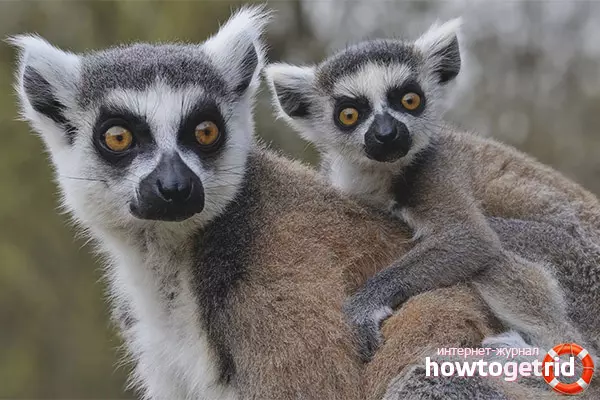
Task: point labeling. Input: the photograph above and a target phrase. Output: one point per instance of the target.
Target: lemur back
(374, 110)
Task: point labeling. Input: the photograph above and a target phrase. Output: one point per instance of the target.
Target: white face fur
(373, 105)
(130, 129)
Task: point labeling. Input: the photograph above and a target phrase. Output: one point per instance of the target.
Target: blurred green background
(531, 79)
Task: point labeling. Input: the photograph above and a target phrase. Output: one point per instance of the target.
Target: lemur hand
(366, 320)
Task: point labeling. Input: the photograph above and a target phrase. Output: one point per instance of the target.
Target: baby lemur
(374, 111)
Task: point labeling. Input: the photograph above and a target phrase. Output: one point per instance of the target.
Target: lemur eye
(411, 101)
(207, 133)
(118, 139)
(348, 116)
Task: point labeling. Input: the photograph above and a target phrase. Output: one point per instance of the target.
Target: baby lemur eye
(348, 116)
(407, 98)
(411, 101)
(207, 133)
(118, 139)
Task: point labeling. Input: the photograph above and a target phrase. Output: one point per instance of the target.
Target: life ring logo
(575, 350)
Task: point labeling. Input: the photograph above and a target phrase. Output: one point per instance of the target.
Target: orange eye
(411, 101)
(207, 133)
(348, 116)
(118, 139)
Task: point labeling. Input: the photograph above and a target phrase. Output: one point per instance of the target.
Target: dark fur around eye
(205, 110)
(395, 94)
(360, 103)
(137, 125)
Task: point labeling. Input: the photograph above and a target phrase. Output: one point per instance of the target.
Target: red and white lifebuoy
(588, 368)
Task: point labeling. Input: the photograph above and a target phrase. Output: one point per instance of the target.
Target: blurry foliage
(534, 82)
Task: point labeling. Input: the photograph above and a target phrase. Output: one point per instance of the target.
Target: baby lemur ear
(440, 47)
(292, 89)
(46, 83)
(237, 48)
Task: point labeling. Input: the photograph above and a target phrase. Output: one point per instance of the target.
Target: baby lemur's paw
(366, 321)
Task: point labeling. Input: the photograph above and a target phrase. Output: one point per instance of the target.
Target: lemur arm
(440, 260)
(453, 243)
(444, 259)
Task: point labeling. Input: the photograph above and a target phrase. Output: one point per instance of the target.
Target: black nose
(172, 192)
(387, 139)
(387, 129)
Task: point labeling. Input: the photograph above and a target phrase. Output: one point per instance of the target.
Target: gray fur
(443, 193)
(139, 66)
(355, 57)
(459, 245)
(573, 261)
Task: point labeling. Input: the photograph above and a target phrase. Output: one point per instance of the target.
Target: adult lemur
(374, 110)
(227, 264)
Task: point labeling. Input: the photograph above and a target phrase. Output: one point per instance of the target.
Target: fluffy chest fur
(393, 187)
(370, 185)
(161, 323)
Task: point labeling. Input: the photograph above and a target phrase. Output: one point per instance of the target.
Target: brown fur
(511, 184)
(454, 317)
(313, 248)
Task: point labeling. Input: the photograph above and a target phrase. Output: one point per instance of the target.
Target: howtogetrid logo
(552, 369)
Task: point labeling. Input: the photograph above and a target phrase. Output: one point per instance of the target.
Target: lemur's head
(146, 132)
(378, 101)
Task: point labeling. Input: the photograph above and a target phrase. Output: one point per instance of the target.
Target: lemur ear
(46, 82)
(292, 89)
(440, 47)
(238, 49)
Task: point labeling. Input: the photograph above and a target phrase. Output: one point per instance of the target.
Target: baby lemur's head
(375, 102)
(144, 133)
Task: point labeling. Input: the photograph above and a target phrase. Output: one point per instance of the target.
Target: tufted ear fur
(46, 83)
(292, 88)
(238, 50)
(440, 47)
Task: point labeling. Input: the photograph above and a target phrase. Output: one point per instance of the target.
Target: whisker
(77, 178)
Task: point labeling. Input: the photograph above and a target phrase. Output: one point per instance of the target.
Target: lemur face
(376, 102)
(146, 132)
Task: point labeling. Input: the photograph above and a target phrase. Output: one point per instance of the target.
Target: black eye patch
(361, 104)
(205, 110)
(138, 126)
(395, 95)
